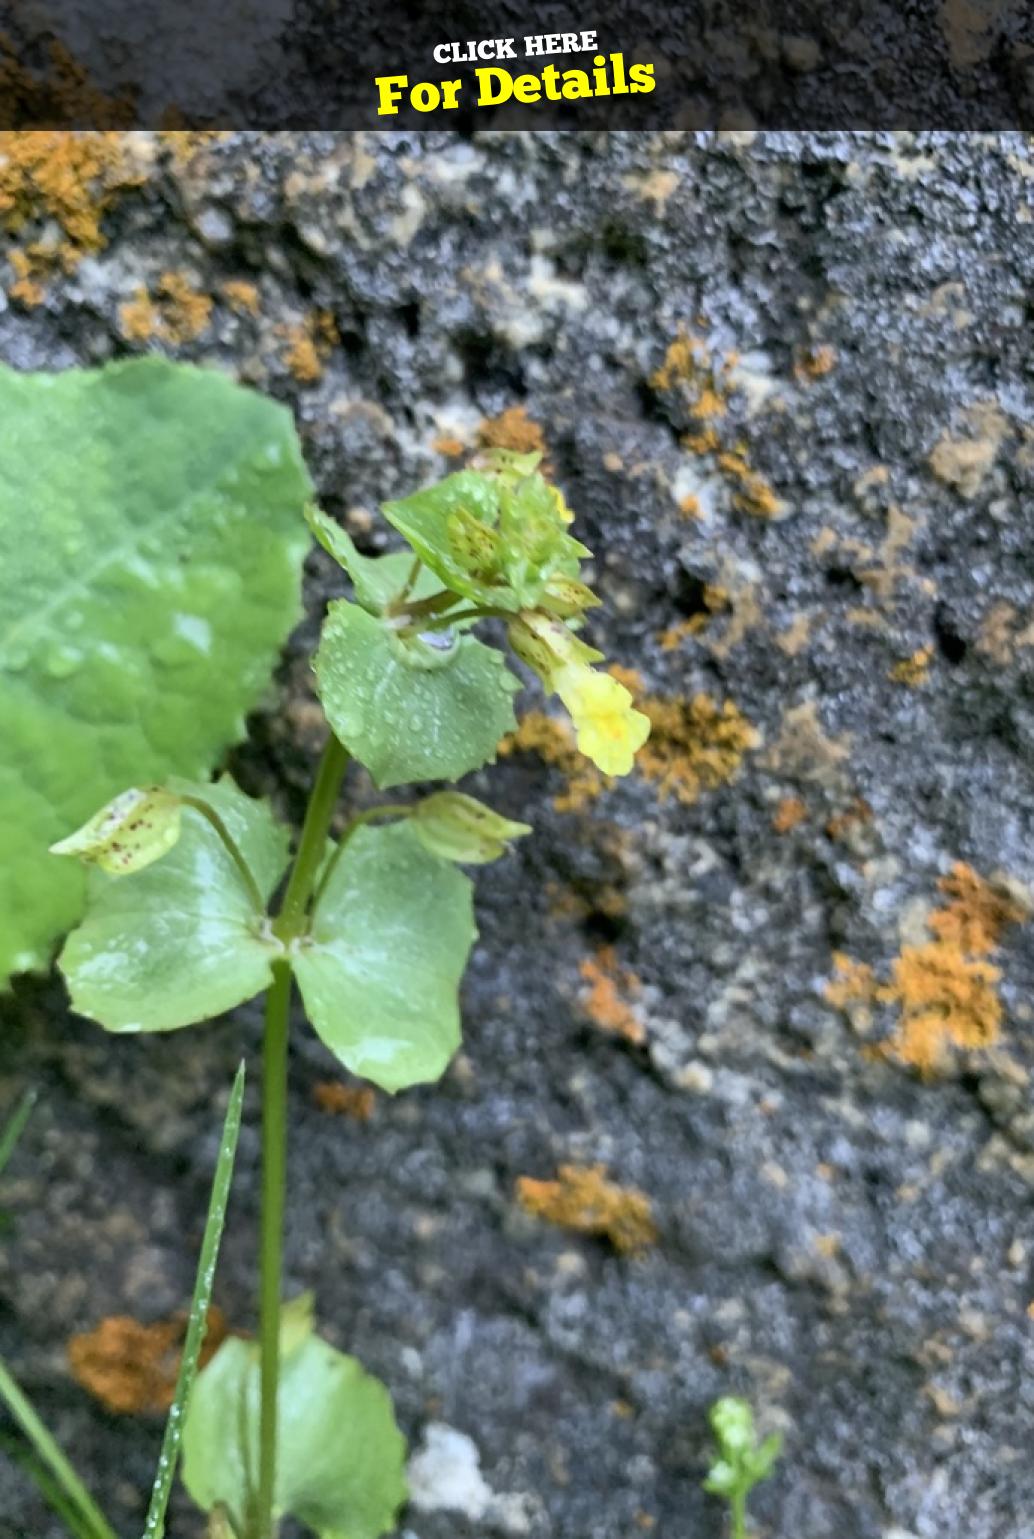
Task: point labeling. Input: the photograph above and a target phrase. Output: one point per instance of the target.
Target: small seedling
(742, 1462)
(185, 920)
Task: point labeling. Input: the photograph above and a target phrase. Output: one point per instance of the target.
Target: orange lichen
(977, 913)
(912, 670)
(60, 182)
(676, 634)
(309, 345)
(943, 992)
(690, 507)
(815, 362)
(512, 429)
(840, 825)
(241, 296)
(853, 983)
(553, 741)
(338, 1100)
(583, 1200)
(177, 313)
(689, 368)
(449, 445)
(694, 744)
(789, 814)
(131, 1368)
(753, 494)
(607, 997)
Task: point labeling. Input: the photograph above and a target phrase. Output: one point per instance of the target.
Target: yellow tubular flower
(608, 727)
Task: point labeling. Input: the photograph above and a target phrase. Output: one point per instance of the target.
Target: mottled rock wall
(786, 383)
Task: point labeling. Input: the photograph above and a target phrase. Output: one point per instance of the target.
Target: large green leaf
(184, 939)
(340, 1453)
(406, 712)
(151, 542)
(380, 972)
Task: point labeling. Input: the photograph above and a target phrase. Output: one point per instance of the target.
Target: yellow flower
(608, 727)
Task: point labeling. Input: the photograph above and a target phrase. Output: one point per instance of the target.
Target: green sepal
(423, 520)
(458, 827)
(406, 711)
(380, 970)
(376, 579)
(340, 1454)
(183, 940)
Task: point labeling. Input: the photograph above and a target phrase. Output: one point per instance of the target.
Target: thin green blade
(155, 1526)
(14, 1127)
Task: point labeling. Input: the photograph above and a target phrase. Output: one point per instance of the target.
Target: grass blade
(14, 1127)
(51, 1457)
(48, 1488)
(155, 1527)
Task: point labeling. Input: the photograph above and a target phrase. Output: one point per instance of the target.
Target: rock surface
(815, 506)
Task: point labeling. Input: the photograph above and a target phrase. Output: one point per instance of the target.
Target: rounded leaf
(340, 1454)
(410, 714)
(380, 972)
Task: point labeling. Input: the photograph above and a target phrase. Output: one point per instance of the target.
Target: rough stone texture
(848, 1244)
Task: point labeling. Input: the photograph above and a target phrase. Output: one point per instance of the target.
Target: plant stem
(738, 1503)
(371, 815)
(274, 1181)
(50, 1454)
(289, 923)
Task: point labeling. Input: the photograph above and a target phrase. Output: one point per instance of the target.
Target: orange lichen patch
(753, 494)
(694, 745)
(703, 384)
(448, 445)
(944, 998)
(675, 635)
(183, 145)
(790, 814)
(840, 825)
(1003, 632)
(512, 429)
(853, 983)
(26, 264)
(131, 1368)
(309, 345)
(583, 1200)
(944, 992)
(338, 1100)
(705, 442)
(241, 296)
(912, 670)
(608, 995)
(690, 507)
(553, 741)
(63, 94)
(58, 186)
(815, 362)
(176, 313)
(977, 913)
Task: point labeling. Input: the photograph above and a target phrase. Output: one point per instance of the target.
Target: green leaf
(137, 827)
(151, 544)
(376, 579)
(340, 1454)
(262, 842)
(184, 939)
(408, 712)
(198, 1319)
(459, 827)
(380, 972)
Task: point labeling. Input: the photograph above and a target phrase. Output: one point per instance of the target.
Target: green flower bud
(461, 828)
(473, 544)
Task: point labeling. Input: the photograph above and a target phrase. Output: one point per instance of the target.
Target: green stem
(274, 1183)
(738, 1503)
(50, 1455)
(418, 608)
(311, 846)
(230, 844)
(371, 815)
